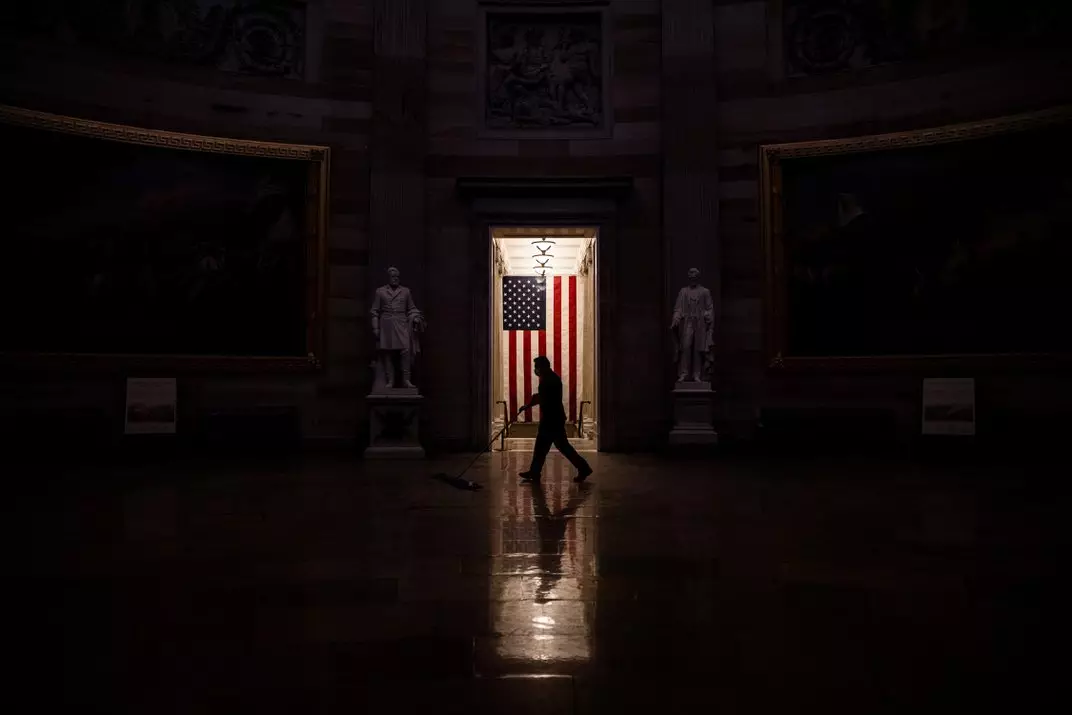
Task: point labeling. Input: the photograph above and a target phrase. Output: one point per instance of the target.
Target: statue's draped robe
(393, 308)
(694, 311)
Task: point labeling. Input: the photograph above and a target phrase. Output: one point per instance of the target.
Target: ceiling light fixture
(544, 246)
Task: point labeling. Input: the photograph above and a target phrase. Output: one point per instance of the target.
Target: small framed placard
(151, 405)
(949, 406)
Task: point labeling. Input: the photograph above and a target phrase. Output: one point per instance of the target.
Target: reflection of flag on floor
(541, 320)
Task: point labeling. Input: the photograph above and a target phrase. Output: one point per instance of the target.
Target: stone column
(588, 322)
(690, 186)
(690, 145)
(399, 141)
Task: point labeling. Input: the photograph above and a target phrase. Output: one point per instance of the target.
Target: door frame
(496, 360)
(544, 202)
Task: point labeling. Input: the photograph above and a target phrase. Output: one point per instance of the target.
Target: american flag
(541, 320)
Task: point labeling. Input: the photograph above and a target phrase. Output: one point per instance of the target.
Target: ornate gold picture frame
(948, 207)
(304, 239)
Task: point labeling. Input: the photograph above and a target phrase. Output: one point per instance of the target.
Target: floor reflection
(543, 593)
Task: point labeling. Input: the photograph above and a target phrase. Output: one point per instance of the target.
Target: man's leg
(567, 450)
(543, 444)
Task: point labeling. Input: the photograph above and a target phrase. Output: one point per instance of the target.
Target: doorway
(543, 300)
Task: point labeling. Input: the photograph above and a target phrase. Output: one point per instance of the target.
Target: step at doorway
(525, 444)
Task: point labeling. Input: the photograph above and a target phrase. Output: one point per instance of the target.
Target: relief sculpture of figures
(397, 324)
(693, 326)
(543, 73)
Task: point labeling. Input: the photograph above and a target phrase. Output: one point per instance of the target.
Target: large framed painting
(132, 248)
(941, 245)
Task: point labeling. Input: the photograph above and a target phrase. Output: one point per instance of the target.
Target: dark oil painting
(955, 248)
(120, 248)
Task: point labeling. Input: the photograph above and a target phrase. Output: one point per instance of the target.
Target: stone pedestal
(693, 415)
(394, 416)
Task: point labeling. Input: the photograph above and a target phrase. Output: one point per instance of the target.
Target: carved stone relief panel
(544, 71)
(260, 37)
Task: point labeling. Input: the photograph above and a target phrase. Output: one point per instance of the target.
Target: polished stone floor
(719, 586)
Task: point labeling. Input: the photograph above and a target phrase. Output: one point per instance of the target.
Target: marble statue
(693, 326)
(397, 324)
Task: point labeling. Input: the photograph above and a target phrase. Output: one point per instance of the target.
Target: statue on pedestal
(396, 323)
(693, 326)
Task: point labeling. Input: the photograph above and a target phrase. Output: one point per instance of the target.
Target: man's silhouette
(552, 424)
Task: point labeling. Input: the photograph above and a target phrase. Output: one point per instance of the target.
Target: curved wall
(697, 86)
(72, 67)
(760, 103)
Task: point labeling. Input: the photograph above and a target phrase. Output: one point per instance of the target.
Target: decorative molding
(501, 265)
(509, 187)
(556, 4)
(921, 137)
(540, 231)
(819, 37)
(253, 37)
(153, 137)
(588, 257)
(122, 364)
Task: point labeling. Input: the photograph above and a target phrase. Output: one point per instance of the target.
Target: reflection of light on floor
(541, 604)
(525, 444)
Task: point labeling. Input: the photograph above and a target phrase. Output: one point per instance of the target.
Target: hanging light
(543, 258)
(544, 246)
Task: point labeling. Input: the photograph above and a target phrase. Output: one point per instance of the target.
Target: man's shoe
(529, 476)
(583, 474)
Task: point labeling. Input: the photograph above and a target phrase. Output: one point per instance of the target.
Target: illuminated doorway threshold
(525, 444)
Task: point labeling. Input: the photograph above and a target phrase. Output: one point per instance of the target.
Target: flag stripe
(561, 326)
(512, 357)
(551, 319)
(573, 349)
(517, 377)
(541, 350)
(562, 329)
(527, 336)
(582, 296)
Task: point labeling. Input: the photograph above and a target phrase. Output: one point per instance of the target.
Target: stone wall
(330, 103)
(760, 104)
(696, 87)
(457, 147)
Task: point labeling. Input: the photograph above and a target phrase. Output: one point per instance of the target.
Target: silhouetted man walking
(552, 424)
